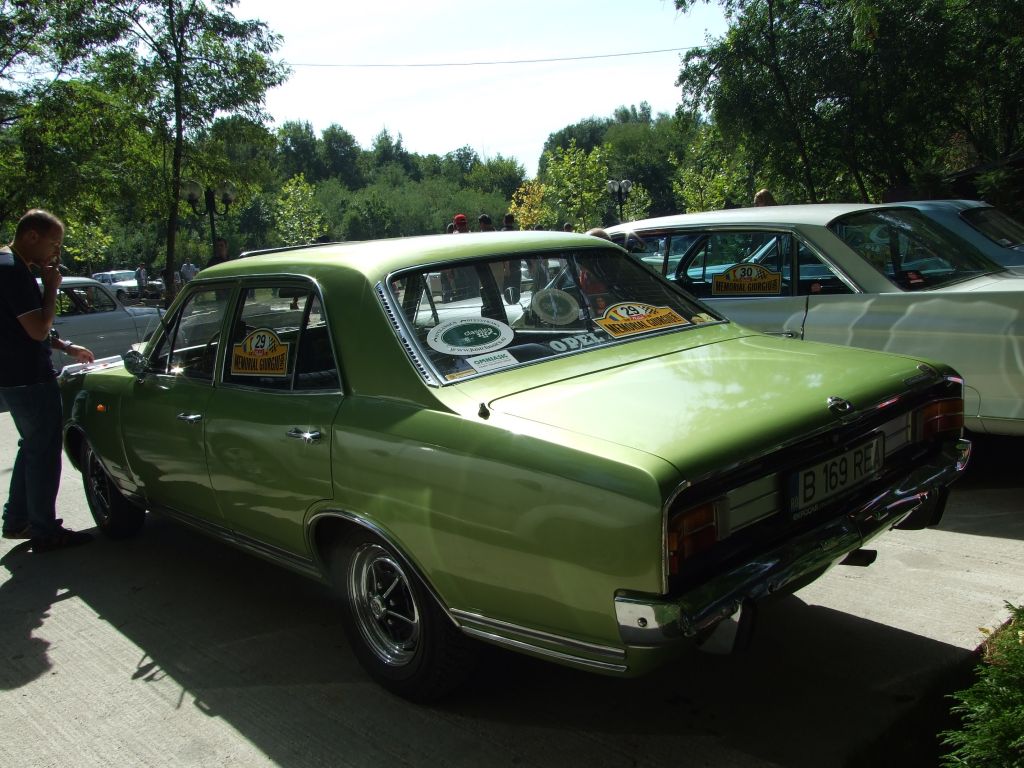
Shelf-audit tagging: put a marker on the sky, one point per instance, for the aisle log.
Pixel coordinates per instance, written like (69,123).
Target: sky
(497,109)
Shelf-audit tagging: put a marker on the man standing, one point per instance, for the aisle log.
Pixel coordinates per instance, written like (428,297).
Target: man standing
(141,279)
(508,223)
(28,382)
(485,223)
(188,270)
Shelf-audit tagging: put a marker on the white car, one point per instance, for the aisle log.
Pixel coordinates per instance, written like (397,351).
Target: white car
(124,285)
(88,314)
(884,277)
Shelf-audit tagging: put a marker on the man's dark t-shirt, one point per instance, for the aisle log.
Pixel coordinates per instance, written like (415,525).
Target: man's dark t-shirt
(25,360)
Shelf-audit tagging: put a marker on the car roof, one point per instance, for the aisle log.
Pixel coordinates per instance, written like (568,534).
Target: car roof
(377,258)
(816,214)
(71,282)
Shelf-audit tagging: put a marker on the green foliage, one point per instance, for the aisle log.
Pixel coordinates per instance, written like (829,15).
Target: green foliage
(576,182)
(529,206)
(298,218)
(499,174)
(992,709)
(846,99)
(713,175)
(637,204)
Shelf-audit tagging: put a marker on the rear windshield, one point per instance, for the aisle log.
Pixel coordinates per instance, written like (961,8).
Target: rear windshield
(910,249)
(996,226)
(471,318)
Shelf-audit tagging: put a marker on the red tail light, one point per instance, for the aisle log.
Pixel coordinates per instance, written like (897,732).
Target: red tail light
(941,417)
(691,532)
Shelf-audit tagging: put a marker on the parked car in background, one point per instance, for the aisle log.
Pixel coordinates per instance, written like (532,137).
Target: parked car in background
(89,314)
(884,277)
(998,236)
(124,285)
(592,471)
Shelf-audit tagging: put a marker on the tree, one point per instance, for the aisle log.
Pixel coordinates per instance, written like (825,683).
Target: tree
(498,174)
(529,206)
(851,99)
(298,218)
(299,151)
(189,60)
(339,156)
(576,184)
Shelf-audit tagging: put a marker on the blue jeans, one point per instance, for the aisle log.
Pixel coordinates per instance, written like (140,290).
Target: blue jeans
(38,416)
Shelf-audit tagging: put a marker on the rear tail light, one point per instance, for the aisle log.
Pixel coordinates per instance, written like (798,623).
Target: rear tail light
(941,417)
(691,532)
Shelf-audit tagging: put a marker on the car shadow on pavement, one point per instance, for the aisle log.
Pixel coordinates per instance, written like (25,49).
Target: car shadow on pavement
(979,504)
(262,649)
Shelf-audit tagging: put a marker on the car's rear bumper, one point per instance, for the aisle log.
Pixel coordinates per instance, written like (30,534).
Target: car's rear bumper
(646,620)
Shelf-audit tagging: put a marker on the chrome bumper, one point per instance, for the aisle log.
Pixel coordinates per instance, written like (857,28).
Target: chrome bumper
(646,620)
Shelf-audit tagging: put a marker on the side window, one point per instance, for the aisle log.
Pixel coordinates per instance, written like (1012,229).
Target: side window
(817,277)
(83,300)
(190,347)
(735,264)
(279,341)
(316,367)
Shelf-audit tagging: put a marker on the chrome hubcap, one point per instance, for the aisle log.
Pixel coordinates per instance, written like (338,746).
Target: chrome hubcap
(383,605)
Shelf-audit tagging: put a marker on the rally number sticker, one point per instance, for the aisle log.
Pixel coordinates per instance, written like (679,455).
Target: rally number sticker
(469,336)
(261,353)
(626,319)
(746,279)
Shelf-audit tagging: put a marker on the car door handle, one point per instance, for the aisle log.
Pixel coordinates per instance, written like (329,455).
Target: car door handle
(190,418)
(783,334)
(305,435)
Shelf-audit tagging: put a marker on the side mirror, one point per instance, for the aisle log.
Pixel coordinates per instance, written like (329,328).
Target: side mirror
(135,364)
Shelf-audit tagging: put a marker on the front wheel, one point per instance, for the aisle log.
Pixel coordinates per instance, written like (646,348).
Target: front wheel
(397,630)
(116,516)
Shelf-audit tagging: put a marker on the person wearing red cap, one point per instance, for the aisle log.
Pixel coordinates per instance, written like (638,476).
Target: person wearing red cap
(461,225)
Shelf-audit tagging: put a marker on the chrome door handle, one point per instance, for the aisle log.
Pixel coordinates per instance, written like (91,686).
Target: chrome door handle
(190,418)
(783,334)
(305,435)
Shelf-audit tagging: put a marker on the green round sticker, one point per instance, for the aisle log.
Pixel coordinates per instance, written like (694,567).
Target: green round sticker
(469,336)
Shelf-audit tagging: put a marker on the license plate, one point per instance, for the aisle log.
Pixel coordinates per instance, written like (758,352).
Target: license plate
(811,487)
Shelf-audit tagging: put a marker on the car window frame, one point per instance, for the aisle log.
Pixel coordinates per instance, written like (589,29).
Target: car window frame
(236,306)
(798,241)
(169,328)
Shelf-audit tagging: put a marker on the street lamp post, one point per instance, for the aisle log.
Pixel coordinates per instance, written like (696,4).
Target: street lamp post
(193,192)
(619,191)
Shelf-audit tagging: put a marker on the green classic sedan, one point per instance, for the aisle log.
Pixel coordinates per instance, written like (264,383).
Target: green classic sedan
(521,438)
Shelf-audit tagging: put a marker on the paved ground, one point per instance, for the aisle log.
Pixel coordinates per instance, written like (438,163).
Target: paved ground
(172,650)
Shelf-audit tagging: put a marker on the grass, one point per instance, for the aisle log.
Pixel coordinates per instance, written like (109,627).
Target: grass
(991,710)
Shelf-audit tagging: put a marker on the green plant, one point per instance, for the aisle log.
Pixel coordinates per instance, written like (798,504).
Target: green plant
(992,710)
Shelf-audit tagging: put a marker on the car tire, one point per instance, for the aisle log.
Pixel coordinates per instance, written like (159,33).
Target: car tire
(397,630)
(115,516)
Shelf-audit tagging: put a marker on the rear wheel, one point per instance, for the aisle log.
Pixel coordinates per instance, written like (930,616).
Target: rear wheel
(397,630)
(116,516)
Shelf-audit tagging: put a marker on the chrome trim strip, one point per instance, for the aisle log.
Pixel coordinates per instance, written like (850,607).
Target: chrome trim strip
(224,534)
(565,658)
(536,634)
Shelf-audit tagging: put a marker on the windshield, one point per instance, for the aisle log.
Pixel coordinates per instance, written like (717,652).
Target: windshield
(996,226)
(471,318)
(910,249)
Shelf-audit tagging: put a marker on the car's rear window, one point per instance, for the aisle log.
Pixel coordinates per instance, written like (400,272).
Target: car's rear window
(472,318)
(910,249)
(996,226)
